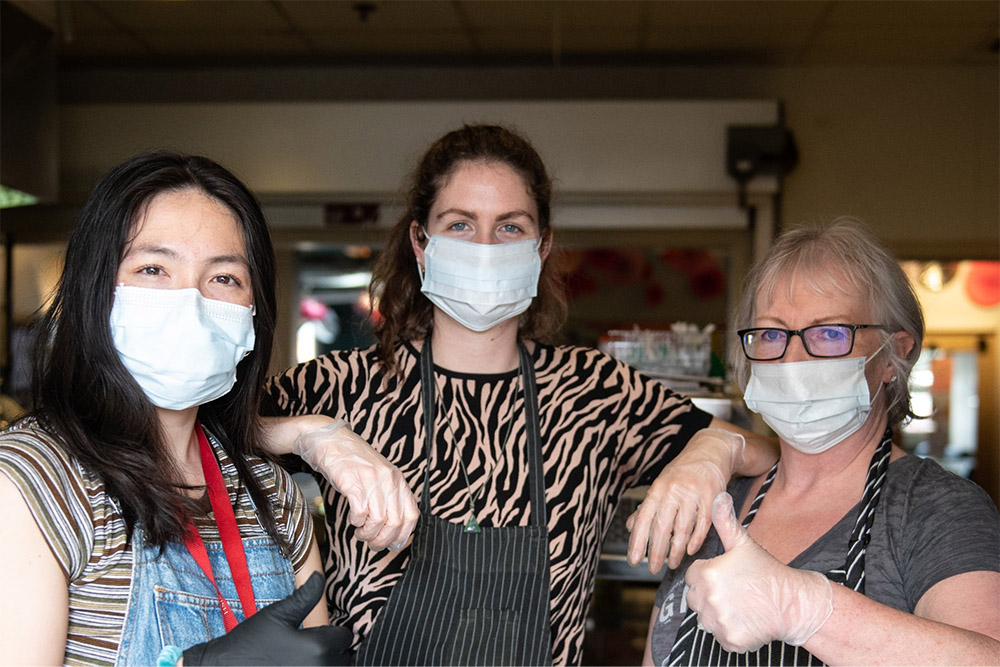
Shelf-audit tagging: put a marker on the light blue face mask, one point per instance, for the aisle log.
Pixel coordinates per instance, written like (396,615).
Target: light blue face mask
(480,285)
(811,405)
(180,347)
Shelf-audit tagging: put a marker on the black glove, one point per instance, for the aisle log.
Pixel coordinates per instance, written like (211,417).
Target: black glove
(272,636)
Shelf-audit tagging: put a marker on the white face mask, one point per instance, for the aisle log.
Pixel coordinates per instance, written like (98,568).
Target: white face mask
(811,405)
(480,285)
(180,347)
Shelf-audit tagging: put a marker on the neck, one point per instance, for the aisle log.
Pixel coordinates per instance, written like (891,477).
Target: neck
(843,463)
(181,441)
(460,349)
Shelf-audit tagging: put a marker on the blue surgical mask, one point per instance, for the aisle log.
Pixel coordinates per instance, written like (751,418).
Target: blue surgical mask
(180,347)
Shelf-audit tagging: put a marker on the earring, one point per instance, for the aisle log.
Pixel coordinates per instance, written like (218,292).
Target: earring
(892,379)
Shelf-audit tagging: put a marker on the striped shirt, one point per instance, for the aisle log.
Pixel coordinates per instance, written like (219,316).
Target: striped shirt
(86,531)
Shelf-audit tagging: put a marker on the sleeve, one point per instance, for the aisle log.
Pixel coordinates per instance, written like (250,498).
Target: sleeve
(948,526)
(312,387)
(56,494)
(659,422)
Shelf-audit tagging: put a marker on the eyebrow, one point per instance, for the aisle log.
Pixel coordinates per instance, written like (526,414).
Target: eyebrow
(837,319)
(468,214)
(166,251)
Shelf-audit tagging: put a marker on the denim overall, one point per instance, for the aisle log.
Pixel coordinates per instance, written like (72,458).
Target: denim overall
(172,602)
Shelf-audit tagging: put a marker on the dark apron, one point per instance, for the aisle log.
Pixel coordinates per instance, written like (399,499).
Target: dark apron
(471,598)
(694,646)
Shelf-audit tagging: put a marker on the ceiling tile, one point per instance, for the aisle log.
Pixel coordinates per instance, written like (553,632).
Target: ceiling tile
(419,42)
(203,15)
(188,44)
(608,14)
(914,12)
(314,16)
(514,15)
(672,13)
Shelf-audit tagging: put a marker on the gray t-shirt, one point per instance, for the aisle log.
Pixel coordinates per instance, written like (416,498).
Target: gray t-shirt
(929,525)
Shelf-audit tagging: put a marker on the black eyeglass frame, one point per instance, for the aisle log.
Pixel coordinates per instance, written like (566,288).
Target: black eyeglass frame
(742,333)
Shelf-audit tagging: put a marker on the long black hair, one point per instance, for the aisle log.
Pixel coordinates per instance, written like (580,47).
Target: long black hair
(84,395)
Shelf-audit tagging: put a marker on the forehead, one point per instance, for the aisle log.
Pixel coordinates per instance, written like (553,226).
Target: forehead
(814,294)
(187,216)
(498,177)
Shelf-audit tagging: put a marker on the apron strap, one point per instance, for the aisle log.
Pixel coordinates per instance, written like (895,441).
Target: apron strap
(532,429)
(694,646)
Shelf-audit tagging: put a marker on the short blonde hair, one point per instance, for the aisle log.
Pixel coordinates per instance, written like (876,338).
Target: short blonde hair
(842,254)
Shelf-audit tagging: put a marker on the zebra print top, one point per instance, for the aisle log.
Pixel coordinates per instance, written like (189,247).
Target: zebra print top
(605,428)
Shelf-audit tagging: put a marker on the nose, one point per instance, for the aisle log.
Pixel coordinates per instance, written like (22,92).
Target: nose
(796,350)
(485,236)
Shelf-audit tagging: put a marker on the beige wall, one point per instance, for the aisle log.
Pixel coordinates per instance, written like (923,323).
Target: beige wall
(912,150)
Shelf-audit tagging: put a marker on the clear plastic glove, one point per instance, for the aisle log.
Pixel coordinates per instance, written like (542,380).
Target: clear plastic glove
(383,508)
(746,598)
(272,636)
(676,514)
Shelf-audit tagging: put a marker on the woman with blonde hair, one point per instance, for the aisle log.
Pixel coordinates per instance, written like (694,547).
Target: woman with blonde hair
(849,551)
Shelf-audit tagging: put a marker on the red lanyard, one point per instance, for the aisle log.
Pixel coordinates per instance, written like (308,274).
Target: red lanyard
(228,531)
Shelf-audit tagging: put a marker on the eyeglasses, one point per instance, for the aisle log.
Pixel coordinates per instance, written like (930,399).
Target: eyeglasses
(820,340)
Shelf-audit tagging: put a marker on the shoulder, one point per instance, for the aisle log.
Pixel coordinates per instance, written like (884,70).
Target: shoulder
(938,525)
(69,503)
(317,383)
(336,362)
(586,364)
(921,483)
(34,456)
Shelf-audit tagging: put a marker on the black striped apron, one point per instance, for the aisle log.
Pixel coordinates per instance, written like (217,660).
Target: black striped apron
(471,598)
(694,646)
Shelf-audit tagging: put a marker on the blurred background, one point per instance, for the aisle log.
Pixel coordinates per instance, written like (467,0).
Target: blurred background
(682,136)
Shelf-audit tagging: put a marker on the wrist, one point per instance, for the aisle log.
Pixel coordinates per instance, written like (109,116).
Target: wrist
(732,452)
(813,606)
(314,434)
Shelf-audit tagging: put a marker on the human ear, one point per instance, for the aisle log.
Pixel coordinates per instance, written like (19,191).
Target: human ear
(903,343)
(417,241)
(546,246)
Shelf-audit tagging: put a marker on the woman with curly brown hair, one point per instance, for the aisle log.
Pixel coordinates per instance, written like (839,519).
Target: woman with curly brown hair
(518,449)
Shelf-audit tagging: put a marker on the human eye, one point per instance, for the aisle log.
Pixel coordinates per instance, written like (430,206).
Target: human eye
(150,270)
(458,226)
(228,279)
(771,335)
(832,334)
(828,340)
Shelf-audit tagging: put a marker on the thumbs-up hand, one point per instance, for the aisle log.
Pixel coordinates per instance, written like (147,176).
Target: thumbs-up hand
(746,598)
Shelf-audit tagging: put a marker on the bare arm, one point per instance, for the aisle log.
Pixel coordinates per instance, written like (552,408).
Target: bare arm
(956,622)
(34,606)
(281,432)
(319,615)
(747,598)
(383,508)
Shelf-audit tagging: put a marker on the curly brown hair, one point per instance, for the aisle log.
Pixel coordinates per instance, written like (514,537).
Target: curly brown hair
(406,314)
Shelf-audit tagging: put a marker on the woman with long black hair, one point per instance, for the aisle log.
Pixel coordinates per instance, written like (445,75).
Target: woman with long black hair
(142,521)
